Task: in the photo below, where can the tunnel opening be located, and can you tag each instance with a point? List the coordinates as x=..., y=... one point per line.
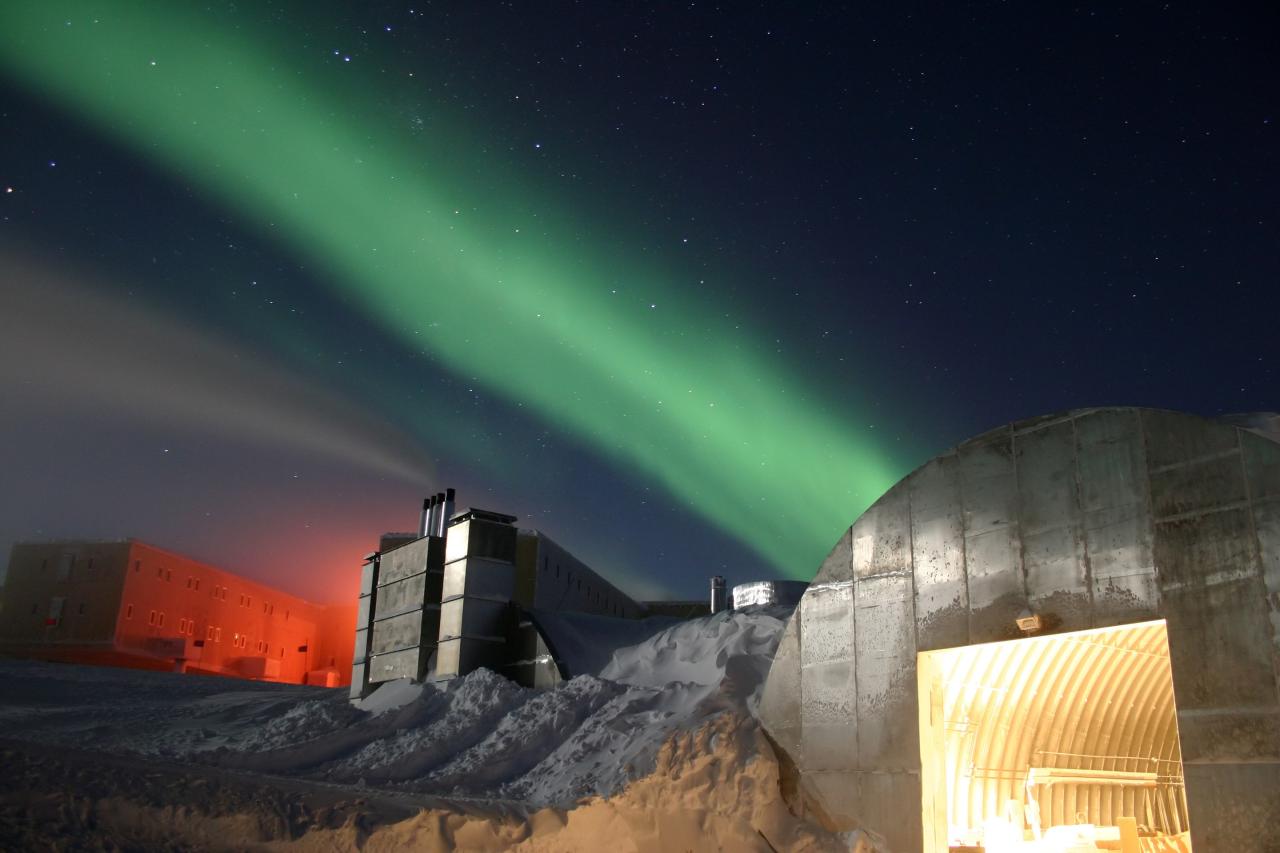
x=1067, y=742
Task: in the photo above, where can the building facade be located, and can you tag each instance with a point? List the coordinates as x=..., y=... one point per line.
x=127, y=603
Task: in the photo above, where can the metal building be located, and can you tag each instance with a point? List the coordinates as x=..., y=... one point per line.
x=767, y=593
x=470, y=591
x=1070, y=619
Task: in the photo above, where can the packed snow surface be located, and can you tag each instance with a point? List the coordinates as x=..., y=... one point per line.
x=480, y=736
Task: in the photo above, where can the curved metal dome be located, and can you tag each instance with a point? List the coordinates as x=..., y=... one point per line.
x=1075, y=521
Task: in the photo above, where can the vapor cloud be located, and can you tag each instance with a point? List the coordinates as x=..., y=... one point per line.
x=64, y=343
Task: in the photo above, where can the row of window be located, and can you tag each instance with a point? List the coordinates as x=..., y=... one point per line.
x=219, y=592
x=594, y=595
x=213, y=633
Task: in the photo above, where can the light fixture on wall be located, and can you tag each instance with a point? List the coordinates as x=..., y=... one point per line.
x=1029, y=623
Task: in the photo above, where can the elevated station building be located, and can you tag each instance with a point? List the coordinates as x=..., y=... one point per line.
x=473, y=590
x=128, y=603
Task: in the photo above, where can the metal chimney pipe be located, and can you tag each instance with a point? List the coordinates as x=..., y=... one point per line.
x=425, y=518
x=430, y=529
x=447, y=512
x=438, y=528
x=718, y=600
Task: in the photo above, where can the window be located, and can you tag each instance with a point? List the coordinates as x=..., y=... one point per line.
x=90, y=565
x=197, y=583
x=272, y=612
x=168, y=575
x=160, y=620
x=208, y=633
x=80, y=609
x=188, y=581
x=151, y=620
x=248, y=601
x=159, y=571
x=182, y=626
x=137, y=565
x=128, y=612
x=65, y=565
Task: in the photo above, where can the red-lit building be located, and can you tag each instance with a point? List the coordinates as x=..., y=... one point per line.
x=127, y=603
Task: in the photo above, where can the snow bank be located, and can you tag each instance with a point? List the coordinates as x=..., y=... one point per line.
x=477, y=736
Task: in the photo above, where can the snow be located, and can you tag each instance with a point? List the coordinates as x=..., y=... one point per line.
x=657, y=749
x=478, y=736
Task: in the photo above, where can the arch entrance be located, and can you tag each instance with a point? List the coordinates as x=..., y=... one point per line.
x=1066, y=742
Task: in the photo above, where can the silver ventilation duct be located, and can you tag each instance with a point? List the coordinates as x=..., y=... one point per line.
x=719, y=599
x=424, y=520
x=447, y=512
x=437, y=522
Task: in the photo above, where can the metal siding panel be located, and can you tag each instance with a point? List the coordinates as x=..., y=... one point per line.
x=1219, y=649
x=1215, y=547
x=1110, y=460
x=989, y=490
x=1120, y=545
x=448, y=658
x=884, y=627
x=828, y=716
x=882, y=537
x=1261, y=465
x=780, y=698
x=889, y=804
x=937, y=555
x=1197, y=486
x=401, y=596
x=1046, y=473
x=402, y=562
x=838, y=566
x=997, y=593
x=1173, y=438
x=398, y=632
x=826, y=623
x=403, y=664
x=1266, y=519
x=1234, y=807
x=451, y=618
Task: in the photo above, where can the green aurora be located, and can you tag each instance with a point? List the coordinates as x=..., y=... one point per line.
x=451, y=255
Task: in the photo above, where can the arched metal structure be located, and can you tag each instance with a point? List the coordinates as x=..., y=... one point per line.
x=1069, y=522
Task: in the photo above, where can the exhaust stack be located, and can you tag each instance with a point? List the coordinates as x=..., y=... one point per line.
x=719, y=600
x=446, y=511
x=437, y=521
x=424, y=520
x=431, y=517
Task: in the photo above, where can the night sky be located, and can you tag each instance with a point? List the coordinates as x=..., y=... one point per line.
x=685, y=287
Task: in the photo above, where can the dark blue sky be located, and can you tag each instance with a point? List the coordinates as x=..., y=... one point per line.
x=959, y=215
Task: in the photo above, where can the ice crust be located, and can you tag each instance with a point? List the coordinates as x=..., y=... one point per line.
x=479, y=736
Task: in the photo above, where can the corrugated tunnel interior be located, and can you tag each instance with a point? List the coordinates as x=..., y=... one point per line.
x=1061, y=742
